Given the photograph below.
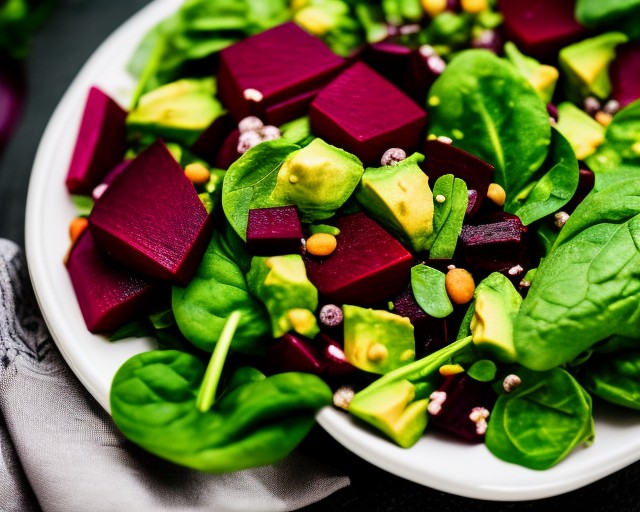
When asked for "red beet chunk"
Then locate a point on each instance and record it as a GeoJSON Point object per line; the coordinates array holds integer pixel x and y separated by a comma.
{"type": "Point", "coordinates": [463, 395]}
{"type": "Point", "coordinates": [100, 144]}
{"type": "Point", "coordinates": [625, 77]}
{"type": "Point", "coordinates": [586, 182]}
{"type": "Point", "coordinates": [442, 158]}
{"type": "Point", "coordinates": [211, 140]}
{"type": "Point", "coordinates": [365, 114]}
{"type": "Point", "coordinates": [274, 231]}
{"type": "Point", "coordinates": [423, 69]}
{"type": "Point", "coordinates": [389, 59]}
{"type": "Point", "coordinates": [368, 265]}
{"type": "Point", "coordinates": [541, 28]}
{"type": "Point", "coordinates": [109, 295]}
{"type": "Point", "coordinates": [279, 64]}
{"type": "Point", "coordinates": [320, 356]}
{"type": "Point", "coordinates": [151, 219]}
{"type": "Point", "coordinates": [497, 242]}
{"type": "Point", "coordinates": [228, 152]}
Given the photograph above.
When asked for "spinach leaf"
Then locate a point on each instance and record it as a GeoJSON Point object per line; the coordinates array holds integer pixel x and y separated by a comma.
{"type": "Point", "coordinates": [588, 287]}
{"type": "Point", "coordinates": [621, 14]}
{"type": "Point", "coordinates": [448, 215]}
{"type": "Point", "coordinates": [474, 103]}
{"type": "Point", "coordinates": [218, 288]}
{"type": "Point", "coordinates": [428, 285]}
{"type": "Point", "coordinates": [540, 421]}
{"type": "Point", "coordinates": [618, 156]}
{"type": "Point", "coordinates": [555, 188]}
{"type": "Point", "coordinates": [153, 402]}
{"type": "Point", "coordinates": [250, 180]}
{"type": "Point", "coordinates": [614, 377]}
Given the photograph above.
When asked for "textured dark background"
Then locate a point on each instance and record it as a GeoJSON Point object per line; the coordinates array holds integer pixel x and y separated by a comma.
{"type": "Point", "coordinates": [74, 31]}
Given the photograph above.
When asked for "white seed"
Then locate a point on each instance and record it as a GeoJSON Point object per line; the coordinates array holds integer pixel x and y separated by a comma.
{"type": "Point", "coordinates": [392, 156]}
{"type": "Point", "coordinates": [247, 140]}
{"type": "Point", "coordinates": [250, 124]}
{"type": "Point", "coordinates": [561, 219]}
{"type": "Point", "coordinates": [98, 191]}
{"type": "Point", "coordinates": [269, 132]}
{"type": "Point", "coordinates": [611, 107]}
{"type": "Point", "coordinates": [517, 269]}
{"type": "Point", "coordinates": [440, 198]}
{"type": "Point", "coordinates": [436, 64]}
{"type": "Point", "coordinates": [511, 382]}
{"type": "Point", "coordinates": [436, 399]}
{"type": "Point", "coordinates": [444, 139]}
{"type": "Point", "coordinates": [343, 396]}
{"type": "Point", "coordinates": [426, 50]}
{"type": "Point", "coordinates": [252, 95]}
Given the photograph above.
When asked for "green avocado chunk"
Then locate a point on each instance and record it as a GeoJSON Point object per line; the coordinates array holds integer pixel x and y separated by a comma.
{"type": "Point", "coordinates": [377, 341]}
{"type": "Point", "coordinates": [318, 179]}
{"type": "Point", "coordinates": [496, 304]}
{"type": "Point", "coordinates": [399, 197]}
{"type": "Point", "coordinates": [179, 111]}
{"type": "Point", "coordinates": [583, 132]}
{"type": "Point", "coordinates": [281, 283]}
{"type": "Point", "coordinates": [586, 65]}
{"type": "Point", "coordinates": [542, 77]}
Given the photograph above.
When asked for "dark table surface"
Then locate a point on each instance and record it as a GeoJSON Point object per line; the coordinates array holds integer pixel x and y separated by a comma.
{"type": "Point", "coordinates": [74, 31]}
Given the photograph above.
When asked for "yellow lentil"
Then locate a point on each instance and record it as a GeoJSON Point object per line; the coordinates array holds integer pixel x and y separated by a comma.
{"type": "Point", "coordinates": [197, 173]}
{"type": "Point", "coordinates": [76, 227]}
{"type": "Point", "coordinates": [321, 244]}
{"type": "Point", "coordinates": [460, 285]}
{"type": "Point", "coordinates": [474, 6]}
{"type": "Point", "coordinates": [497, 194]}
{"type": "Point", "coordinates": [433, 7]}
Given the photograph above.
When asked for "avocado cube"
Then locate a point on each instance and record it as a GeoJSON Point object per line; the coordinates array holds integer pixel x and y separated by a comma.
{"type": "Point", "coordinates": [365, 114]}
{"type": "Point", "coordinates": [275, 74]}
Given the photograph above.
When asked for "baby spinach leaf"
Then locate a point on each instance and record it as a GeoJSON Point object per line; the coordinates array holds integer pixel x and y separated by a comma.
{"type": "Point", "coordinates": [540, 421]}
{"type": "Point", "coordinates": [218, 288]}
{"type": "Point", "coordinates": [153, 402]}
{"type": "Point", "coordinates": [474, 103]}
{"type": "Point", "coordinates": [556, 186]}
{"type": "Point", "coordinates": [428, 285]}
{"type": "Point", "coordinates": [614, 377]}
{"type": "Point", "coordinates": [251, 179]}
{"type": "Point", "coordinates": [618, 156]}
{"type": "Point", "coordinates": [595, 13]}
{"type": "Point", "coordinates": [448, 215]}
{"type": "Point", "coordinates": [588, 287]}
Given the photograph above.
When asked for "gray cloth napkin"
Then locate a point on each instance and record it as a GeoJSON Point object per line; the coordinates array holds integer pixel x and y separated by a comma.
{"type": "Point", "coordinates": [60, 451]}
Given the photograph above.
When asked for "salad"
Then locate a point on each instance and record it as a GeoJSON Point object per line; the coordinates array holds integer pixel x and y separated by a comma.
{"type": "Point", "coordinates": [389, 207]}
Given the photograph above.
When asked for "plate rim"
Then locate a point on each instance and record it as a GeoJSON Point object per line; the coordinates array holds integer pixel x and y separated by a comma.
{"type": "Point", "coordinates": [338, 425]}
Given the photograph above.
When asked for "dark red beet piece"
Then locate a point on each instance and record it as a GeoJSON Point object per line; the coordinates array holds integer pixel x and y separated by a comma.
{"type": "Point", "coordinates": [586, 182]}
{"type": "Point", "coordinates": [625, 79]}
{"type": "Point", "coordinates": [279, 64]}
{"type": "Point", "coordinates": [274, 231]}
{"type": "Point", "coordinates": [463, 394]}
{"type": "Point", "coordinates": [100, 144]}
{"type": "Point", "coordinates": [541, 28]}
{"type": "Point", "coordinates": [211, 140]}
{"type": "Point", "coordinates": [320, 356]}
{"type": "Point", "coordinates": [109, 295]}
{"type": "Point", "coordinates": [497, 242]}
{"type": "Point", "coordinates": [369, 265]}
{"type": "Point", "coordinates": [423, 69]}
{"type": "Point", "coordinates": [388, 58]}
{"type": "Point", "coordinates": [365, 114]}
{"type": "Point", "coordinates": [228, 152]}
{"type": "Point", "coordinates": [442, 158]}
{"type": "Point", "coordinates": [151, 219]}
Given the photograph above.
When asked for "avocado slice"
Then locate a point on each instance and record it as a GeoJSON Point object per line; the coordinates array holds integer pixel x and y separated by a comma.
{"type": "Point", "coordinates": [376, 340]}
{"type": "Point", "coordinates": [399, 197]}
{"type": "Point", "coordinates": [392, 410]}
{"type": "Point", "coordinates": [542, 77]}
{"type": "Point", "coordinates": [586, 65]}
{"type": "Point", "coordinates": [496, 304]}
{"type": "Point", "coordinates": [583, 132]}
{"type": "Point", "coordinates": [179, 111]}
{"type": "Point", "coordinates": [318, 179]}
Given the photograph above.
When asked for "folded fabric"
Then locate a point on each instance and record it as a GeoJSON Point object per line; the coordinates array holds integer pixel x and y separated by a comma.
{"type": "Point", "coordinates": [60, 451]}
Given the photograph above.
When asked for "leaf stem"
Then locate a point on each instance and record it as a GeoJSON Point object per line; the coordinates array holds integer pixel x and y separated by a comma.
{"type": "Point", "coordinates": [209, 386]}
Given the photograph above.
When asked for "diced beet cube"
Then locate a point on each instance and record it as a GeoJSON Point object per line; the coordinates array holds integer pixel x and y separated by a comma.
{"type": "Point", "coordinates": [109, 295]}
{"type": "Point", "coordinates": [423, 69]}
{"type": "Point", "coordinates": [211, 140]}
{"type": "Point", "coordinates": [586, 182]}
{"type": "Point", "coordinates": [442, 158]}
{"type": "Point", "coordinates": [389, 59]}
{"type": "Point", "coordinates": [464, 408]}
{"type": "Point", "coordinates": [320, 356]}
{"type": "Point", "coordinates": [430, 333]}
{"type": "Point", "coordinates": [274, 231]}
{"type": "Point", "coordinates": [497, 242]}
{"type": "Point", "coordinates": [541, 28]}
{"type": "Point", "coordinates": [228, 152]}
{"type": "Point", "coordinates": [261, 74]}
{"type": "Point", "coordinates": [100, 144]}
{"type": "Point", "coordinates": [365, 114]}
{"type": "Point", "coordinates": [369, 265]}
{"type": "Point", "coordinates": [151, 219]}
{"type": "Point", "coordinates": [625, 77]}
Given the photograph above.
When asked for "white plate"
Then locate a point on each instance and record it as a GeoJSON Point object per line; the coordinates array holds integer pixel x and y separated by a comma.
{"type": "Point", "coordinates": [435, 462]}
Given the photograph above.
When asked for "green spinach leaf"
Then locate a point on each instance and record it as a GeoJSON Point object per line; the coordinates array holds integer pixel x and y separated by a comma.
{"type": "Point", "coordinates": [588, 287]}
{"type": "Point", "coordinates": [218, 288]}
{"type": "Point", "coordinates": [448, 215]}
{"type": "Point", "coordinates": [540, 421]}
{"type": "Point", "coordinates": [620, 14]}
{"type": "Point", "coordinates": [250, 180]}
{"type": "Point", "coordinates": [429, 290]}
{"type": "Point", "coordinates": [258, 422]}
{"type": "Point", "coordinates": [489, 109]}
{"type": "Point", "coordinates": [556, 186]}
